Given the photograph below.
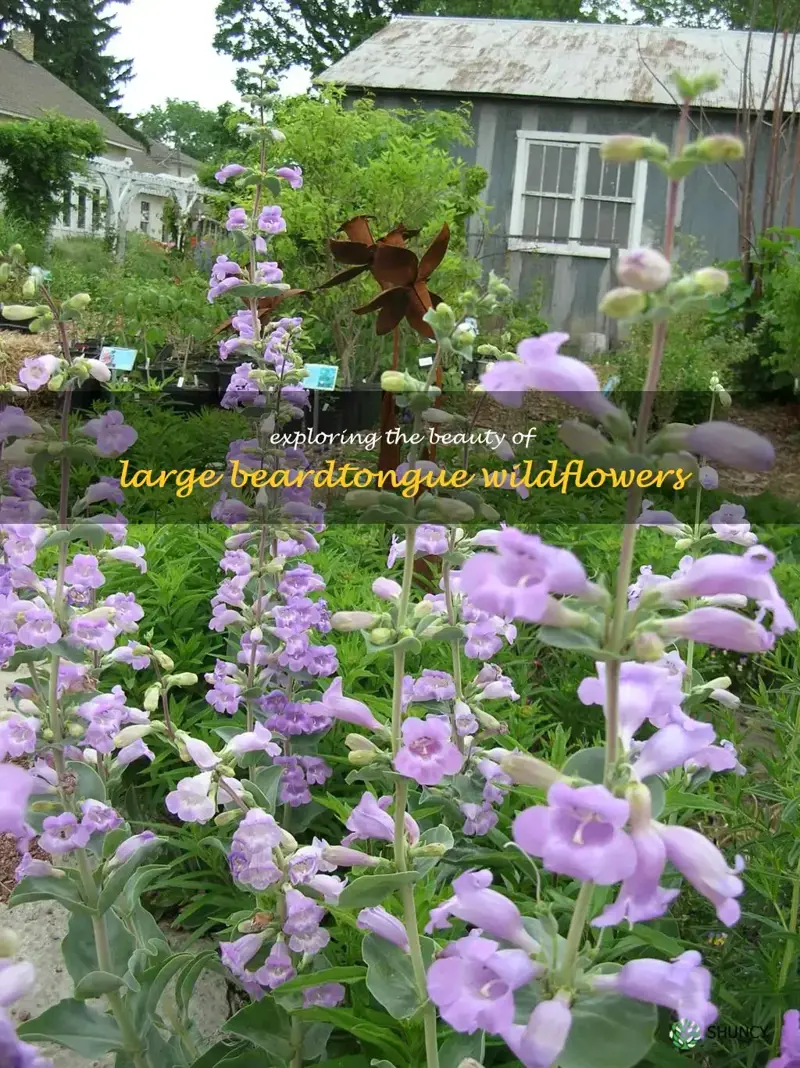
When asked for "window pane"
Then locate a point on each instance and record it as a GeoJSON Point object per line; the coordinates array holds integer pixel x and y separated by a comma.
{"type": "Point", "coordinates": [547, 219]}
{"type": "Point", "coordinates": [82, 209]}
{"type": "Point", "coordinates": [566, 177]}
{"type": "Point", "coordinates": [593, 167]}
{"type": "Point", "coordinates": [66, 210]}
{"type": "Point", "coordinates": [605, 222]}
{"type": "Point", "coordinates": [618, 180]}
{"type": "Point", "coordinates": [533, 183]}
{"type": "Point", "coordinates": [622, 225]}
{"type": "Point", "coordinates": [589, 226]}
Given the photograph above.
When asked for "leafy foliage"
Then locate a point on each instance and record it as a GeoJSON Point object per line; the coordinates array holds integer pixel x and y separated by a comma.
{"type": "Point", "coordinates": [199, 132]}
{"type": "Point", "coordinates": [39, 158]}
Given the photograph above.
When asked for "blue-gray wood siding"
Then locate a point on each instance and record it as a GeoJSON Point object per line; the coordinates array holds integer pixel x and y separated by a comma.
{"type": "Point", "coordinates": [571, 287]}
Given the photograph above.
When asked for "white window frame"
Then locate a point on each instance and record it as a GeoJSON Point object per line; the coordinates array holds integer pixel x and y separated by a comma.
{"type": "Point", "coordinates": [573, 247]}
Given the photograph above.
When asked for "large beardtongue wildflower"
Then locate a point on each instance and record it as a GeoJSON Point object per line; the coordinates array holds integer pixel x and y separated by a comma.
{"type": "Point", "coordinates": [790, 1042]}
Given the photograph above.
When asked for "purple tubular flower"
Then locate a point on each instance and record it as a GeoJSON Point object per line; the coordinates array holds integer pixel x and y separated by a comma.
{"type": "Point", "coordinates": [473, 982]}
{"type": "Point", "coordinates": [427, 754]}
{"type": "Point", "coordinates": [18, 735]}
{"type": "Point", "coordinates": [236, 955]}
{"type": "Point", "coordinates": [251, 858]}
{"type": "Point", "coordinates": [475, 903]}
{"type": "Point", "coordinates": [190, 801]}
{"type": "Point", "coordinates": [271, 220]}
{"type": "Point", "coordinates": [382, 923]}
{"type": "Point", "coordinates": [699, 861]}
{"type": "Point", "coordinates": [672, 746]}
{"type": "Point", "coordinates": [128, 554]}
{"type": "Point", "coordinates": [641, 897]}
{"type": "Point", "coordinates": [201, 754]}
{"type": "Point", "coordinates": [62, 834]}
{"type": "Point", "coordinates": [99, 818]}
{"type": "Point", "coordinates": [131, 846]}
{"type": "Point", "coordinates": [790, 1042]}
{"type": "Point", "coordinates": [327, 996]}
{"type": "Point", "coordinates": [110, 432]}
{"type": "Point", "coordinates": [292, 175]}
{"type": "Point", "coordinates": [83, 570]}
{"type": "Point", "coordinates": [516, 580]}
{"type": "Point", "coordinates": [709, 479]}
{"type": "Point", "coordinates": [16, 980]}
{"type": "Point", "coordinates": [579, 833]}
{"type": "Point", "coordinates": [16, 786]}
{"type": "Point", "coordinates": [478, 819]}
{"type": "Point", "coordinates": [28, 867]}
{"type": "Point", "coordinates": [732, 445]}
{"type": "Point", "coordinates": [278, 967]}
{"type": "Point", "coordinates": [720, 627]}
{"type": "Point", "coordinates": [540, 1042]}
{"type": "Point", "coordinates": [346, 709]}
{"type": "Point", "coordinates": [259, 740]}
{"type": "Point", "coordinates": [302, 923]}
{"type": "Point", "coordinates": [369, 819]}
{"type": "Point", "coordinates": [237, 219]}
{"type": "Point", "coordinates": [230, 170]}
{"type": "Point", "coordinates": [36, 371]}
{"type": "Point", "coordinates": [135, 751]}
{"type": "Point", "coordinates": [682, 985]}
{"type": "Point", "coordinates": [542, 366]}
{"type": "Point", "coordinates": [646, 692]}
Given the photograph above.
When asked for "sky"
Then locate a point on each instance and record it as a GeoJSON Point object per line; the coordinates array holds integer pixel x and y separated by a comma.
{"type": "Point", "coordinates": [171, 45]}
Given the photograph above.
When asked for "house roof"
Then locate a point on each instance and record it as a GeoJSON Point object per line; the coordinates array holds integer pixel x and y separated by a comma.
{"type": "Point", "coordinates": [567, 61]}
{"type": "Point", "coordinates": [161, 155]}
{"type": "Point", "coordinates": [28, 90]}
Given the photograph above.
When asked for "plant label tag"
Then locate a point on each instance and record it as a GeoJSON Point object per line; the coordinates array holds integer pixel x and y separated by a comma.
{"type": "Point", "coordinates": [425, 361]}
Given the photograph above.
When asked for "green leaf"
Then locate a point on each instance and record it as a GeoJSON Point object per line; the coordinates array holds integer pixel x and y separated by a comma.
{"type": "Point", "coordinates": [651, 936]}
{"type": "Point", "coordinates": [73, 653]}
{"type": "Point", "coordinates": [266, 1025]}
{"type": "Point", "coordinates": [658, 794]}
{"type": "Point", "coordinates": [50, 888]}
{"type": "Point", "coordinates": [370, 890]}
{"type": "Point", "coordinates": [217, 1054]}
{"type": "Point", "coordinates": [258, 291]}
{"type": "Point", "coordinates": [315, 1041]}
{"type": "Point", "coordinates": [78, 948]}
{"type": "Point", "coordinates": [185, 982]}
{"type": "Point", "coordinates": [153, 983]}
{"type": "Point", "coordinates": [364, 1029]}
{"type": "Point", "coordinates": [267, 780]}
{"type": "Point", "coordinates": [439, 835]}
{"type": "Point", "coordinates": [347, 974]}
{"type": "Point", "coordinates": [26, 656]}
{"type": "Point", "coordinates": [457, 1048]}
{"type": "Point", "coordinates": [586, 764]}
{"type": "Point", "coordinates": [90, 785]}
{"type": "Point", "coordinates": [609, 1031]}
{"type": "Point", "coordinates": [117, 880]}
{"type": "Point", "coordinates": [564, 638]}
{"type": "Point", "coordinates": [74, 1025]}
{"type": "Point", "coordinates": [390, 976]}
{"type": "Point", "coordinates": [95, 984]}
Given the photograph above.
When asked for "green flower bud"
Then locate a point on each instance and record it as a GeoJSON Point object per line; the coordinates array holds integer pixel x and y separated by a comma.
{"type": "Point", "coordinates": [131, 734]}
{"type": "Point", "coordinates": [76, 730]}
{"type": "Point", "coordinates": [347, 622]}
{"type": "Point", "coordinates": [29, 288]}
{"type": "Point", "coordinates": [5, 272]}
{"type": "Point", "coordinates": [526, 770]}
{"type": "Point", "coordinates": [152, 695]}
{"type": "Point", "coordinates": [623, 303]}
{"type": "Point", "coordinates": [225, 819]}
{"type": "Point", "coordinates": [166, 663]}
{"type": "Point", "coordinates": [78, 302]}
{"type": "Point", "coordinates": [9, 942]}
{"type": "Point", "coordinates": [711, 280]}
{"type": "Point", "coordinates": [582, 439]}
{"type": "Point", "coordinates": [648, 647]}
{"type": "Point", "coordinates": [641, 806]}
{"type": "Point", "coordinates": [627, 148]}
{"type": "Point", "coordinates": [358, 743]}
{"type": "Point", "coordinates": [381, 636]}
{"type": "Point", "coordinates": [719, 148]}
{"type": "Point", "coordinates": [689, 88]}
{"type": "Point", "coordinates": [452, 510]}
{"type": "Point", "coordinates": [361, 758]}
{"type": "Point", "coordinates": [724, 398]}
{"type": "Point", "coordinates": [183, 678]}
{"type": "Point", "coordinates": [18, 313]}
{"type": "Point", "coordinates": [442, 320]}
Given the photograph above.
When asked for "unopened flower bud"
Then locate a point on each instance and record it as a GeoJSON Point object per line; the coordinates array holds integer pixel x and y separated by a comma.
{"type": "Point", "coordinates": [361, 758]}
{"type": "Point", "coordinates": [358, 743]}
{"type": "Point", "coordinates": [166, 663]}
{"type": "Point", "coordinates": [152, 696]}
{"type": "Point", "coordinates": [28, 707]}
{"type": "Point", "coordinates": [183, 678]}
{"type": "Point", "coordinates": [256, 635]}
{"type": "Point", "coordinates": [9, 942]}
{"type": "Point", "coordinates": [641, 806]}
{"type": "Point", "coordinates": [711, 280]}
{"type": "Point", "coordinates": [76, 730]}
{"type": "Point", "coordinates": [130, 734]}
{"type": "Point", "coordinates": [719, 148]}
{"type": "Point", "coordinates": [347, 622]}
{"type": "Point", "coordinates": [684, 543]}
{"type": "Point", "coordinates": [526, 770]}
{"type": "Point", "coordinates": [256, 924]}
{"type": "Point", "coordinates": [582, 439]}
{"type": "Point", "coordinates": [689, 88]}
{"type": "Point", "coordinates": [724, 398]}
{"type": "Point", "coordinates": [648, 647]}
{"type": "Point", "coordinates": [430, 849]}
{"type": "Point", "coordinates": [644, 268]}
{"type": "Point", "coordinates": [722, 682]}
{"type": "Point", "coordinates": [470, 1062]}
{"type": "Point", "coordinates": [442, 319]}
{"type": "Point", "coordinates": [627, 148]}
{"type": "Point", "coordinates": [29, 288]}
{"type": "Point", "coordinates": [380, 636]}
{"type": "Point", "coordinates": [623, 302]}
{"type": "Point", "coordinates": [726, 698]}
{"type": "Point", "coordinates": [225, 819]}
{"type": "Point", "coordinates": [79, 302]}
{"type": "Point", "coordinates": [400, 382]}
{"type": "Point", "coordinates": [288, 842]}
{"type": "Point", "coordinates": [490, 723]}
{"type": "Point", "coordinates": [18, 313]}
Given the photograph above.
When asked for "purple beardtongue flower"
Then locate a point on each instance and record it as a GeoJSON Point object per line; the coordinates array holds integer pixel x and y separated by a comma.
{"type": "Point", "coordinates": [472, 983]}
{"type": "Point", "coordinates": [476, 903]}
{"type": "Point", "coordinates": [62, 834]}
{"type": "Point", "coordinates": [345, 709]}
{"type": "Point", "coordinates": [382, 923]}
{"type": "Point", "coordinates": [16, 786]}
{"type": "Point", "coordinates": [704, 866]}
{"type": "Point", "coordinates": [720, 627]}
{"type": "Point", "coordinates": [682, 985]}
{"type": "Point", "coordinates": [732, 445]}
{"type": "Point", "coordinates": [539, 1043]}
{"type": "Point", "coordinates": [641, 897]}
{"type": "Point", "coordinates": [370, 819]}
{"type": "Point", "coordinates": [790, 1042]}
{"type": "Point", "coordinates": [327, 996]}
{"type": "Point", "coordinates": [579, 833]}
{"type": "Point", "coordinates": [672, 746]}
{"type": "Point", "coordinates": [278, 967]}
{"type": "Point", "coordinates": [427, 754]}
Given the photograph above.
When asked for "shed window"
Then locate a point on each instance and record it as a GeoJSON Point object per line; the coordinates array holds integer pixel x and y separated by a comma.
{"type": "Point", "coordinates": [144, 219]}
{"type": "Point", "coordinates": [82, 209]}
{"type": "Point", "coordinates": [568, 200]}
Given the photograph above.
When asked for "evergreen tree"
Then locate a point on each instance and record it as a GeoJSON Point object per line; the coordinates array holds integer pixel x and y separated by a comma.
{"type": "Point", "coordinates": [70, 38]}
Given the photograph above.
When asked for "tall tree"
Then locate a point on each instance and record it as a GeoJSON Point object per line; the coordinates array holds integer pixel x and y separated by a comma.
{"type": "Point", "coordinates": [70, 39]}
{"type": "Point", "coordinates": [184, 125]}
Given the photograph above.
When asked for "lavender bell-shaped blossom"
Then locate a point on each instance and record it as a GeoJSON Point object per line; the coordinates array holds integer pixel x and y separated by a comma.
{"type": "Point", "coordinates": [475, 903]}
{"type": "Point", "coordinates": [790, 1042]}
{"type": "Point", "coordinates": [699, 861]}
{"type": "Point", "coordinates": [539, 1043]}
{"type": "Point", "coordinates": [472, 983]}
{"type": "Point", "coordinates": [326, 996]}
{"type": "Point", "coordinates": [302, 923]}
{"type": "Point", "coordinates": [346, 709]}
{"type": "Point", "coordinates": [427, 754]}
{"type": "Point", "coordinates": [191, 801]}
{"type": "Point", "coordinates": [259, 740]}
{"type": "Point", "coordinates": [641, 897]}
{"type": "Point", "coordinates": [16, 786]}
{"type": "Point", "coordinates": [230, 170]}
{"type": "Point", "coordinates": [382, 923]}
{"type": "Point", "coordinates": [137, 750]}
{"type": "Point", "coordinates": [682, 985]}
{"type": "Point", "coordinates": [517, 579]}
{"type": "Point", "coordinates": [236, 956]}
{"type": "Point", "coordinates": [251, 858]}
{"type": "Point", "coordinates": [579, 833]}
{"type": "Point", "coordinates": [99, 818]}
{"type": "Point", "coordinates": [131, 846]}
{"type": "Point", "coordinates": [201, 754]}
{"type": "Point", "coordinates": [646, 692]}
{"type": "Point", "coordinates": [369, 819]}
{"type": "Point", "coordinates": [730, 444]}
{"type": "Point", "coordinates": [672, 746]}
{"type": "Point", "coordinates": [541, 366]}
{"type": "Point", "coordinates": [277, 968]}
{"type": "Point", "coordinates": [62, 834]}
{"type": "Point", "coordinates": [720, 627]}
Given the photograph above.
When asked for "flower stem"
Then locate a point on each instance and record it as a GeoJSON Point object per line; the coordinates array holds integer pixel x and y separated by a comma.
{"type": "Point", "coordinates": [130, 1036]}
{"type": "Point", "coordinates": [400, 800]}
{"type": "Point", "coordinates": [575, 933]}
{"type": "Point", "coordinates": [297, 1043]}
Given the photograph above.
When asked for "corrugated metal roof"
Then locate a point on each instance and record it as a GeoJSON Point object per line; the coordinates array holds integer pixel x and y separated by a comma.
{"type": "Point", "coordinates": [28, 90]}
{"type": "Point", "coordinates": [567, 61]}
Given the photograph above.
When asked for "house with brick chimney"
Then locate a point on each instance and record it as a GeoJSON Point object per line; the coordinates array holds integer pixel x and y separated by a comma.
{"type": "Point", "coordinates": [128, 186]}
